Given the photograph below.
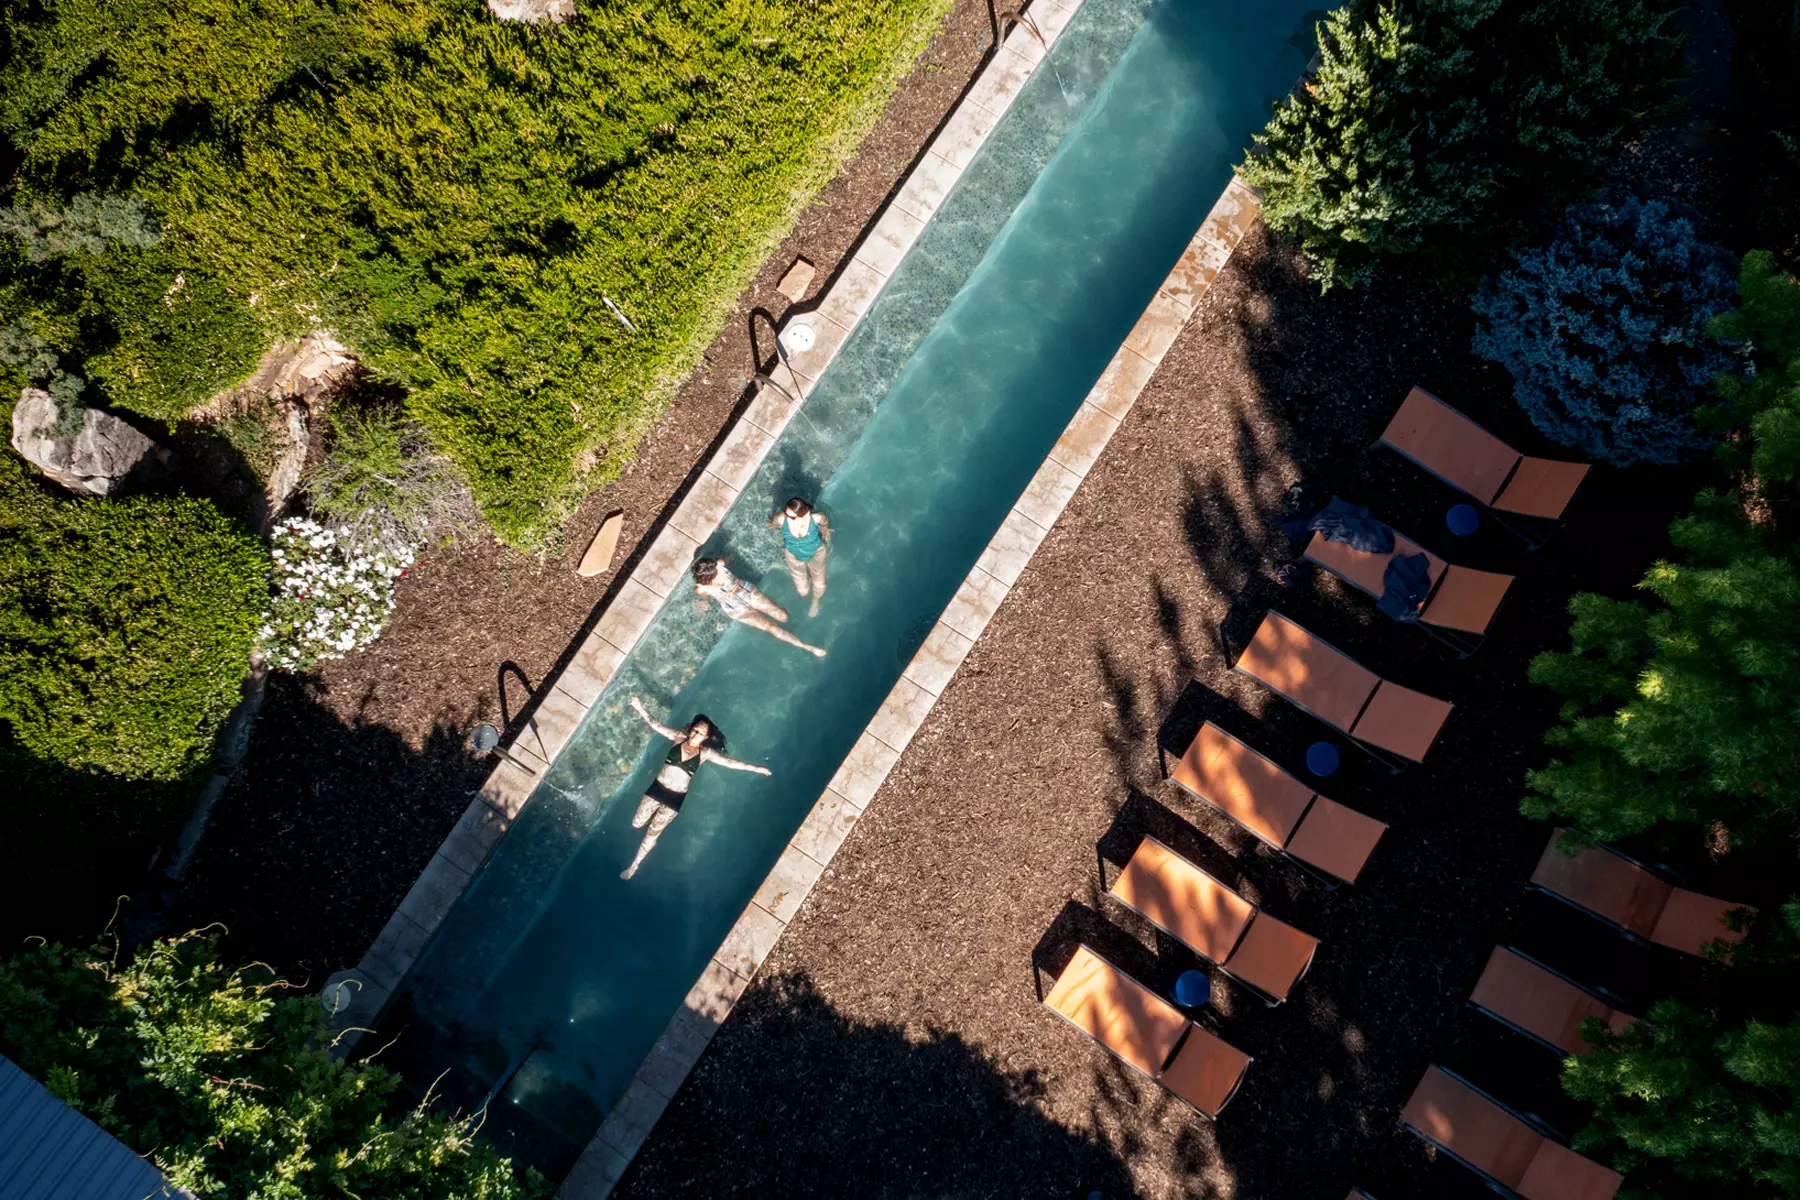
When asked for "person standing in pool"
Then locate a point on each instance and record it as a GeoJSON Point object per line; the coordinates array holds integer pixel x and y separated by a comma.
{"type": "Point", "coordinates": [696, 744]}
{"type": "Point", "coordinates": [805, 541]}
{"type": "Point", "coordinates": [741, 602]}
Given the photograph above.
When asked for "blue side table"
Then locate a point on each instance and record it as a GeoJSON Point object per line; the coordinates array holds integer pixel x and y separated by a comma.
{"type": "Point", "coordinates": [1462, 519]}
{"type": "Point", "coordinates": [1192, 989]}
{"type": "Point", "coordinates": [1321, 758]}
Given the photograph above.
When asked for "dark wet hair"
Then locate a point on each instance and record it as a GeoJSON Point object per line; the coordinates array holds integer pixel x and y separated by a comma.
{"type": "Point", "coordinates": [714, 739]}
{"type": "Point", "coordinates": [705, 570]}
{"type": "Point", "coordinates": [796, 507]}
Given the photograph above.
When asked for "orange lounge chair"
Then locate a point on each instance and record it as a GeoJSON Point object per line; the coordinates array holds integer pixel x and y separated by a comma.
{"type": "Point", "coordinates": [1318, 677]}
{"type": "Point", "coordinates": [1601, 881]}
{"type": "Point", "coordinates": [1540, 1003]}
{"type": "Point", "coordinates": [1469, 458]}
{"type": "Point", "coordinates": [1276, 807]}
{"type": "Point", "coordinates": [1496, 1142]}
{"type": "Point", "coordinates": [1146, 1031]}
{"type": "Point", "coordinates": [1460, 607]}
{"type": "Point", "coordinates": [1213, 921]}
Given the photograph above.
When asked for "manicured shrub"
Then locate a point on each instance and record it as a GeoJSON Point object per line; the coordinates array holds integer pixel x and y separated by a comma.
{"type": "Point", "coordinates": [221, 1076]}
{"type": "Point", "coordinates": [1433, 125]}
{"type": "Point", "coordinates": [333, 594]}
{"type": "Point", "coordinates": [1605, 331]}
{"type": "Point", "coordinates": [125, 625]}
{"type": "Point", "coordinates": [457, 197]}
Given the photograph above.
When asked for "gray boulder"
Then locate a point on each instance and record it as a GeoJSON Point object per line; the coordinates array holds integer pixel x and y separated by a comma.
{"type": "Point", "coordinates": [98, 461]}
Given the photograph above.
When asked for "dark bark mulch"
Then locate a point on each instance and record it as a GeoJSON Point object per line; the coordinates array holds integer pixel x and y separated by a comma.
{"type": "Point", "coordinates": [894, 1043]}
{"type": "Point", "coordinates": [358, 771]}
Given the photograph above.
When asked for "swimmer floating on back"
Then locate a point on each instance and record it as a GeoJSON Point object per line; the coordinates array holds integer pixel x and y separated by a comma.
{"type": "Point", "coordinates": [662, 803]}
{"type": "Point", "coordinates": [805, 542]}
{"type": "Point", "coordinates": [741, 602]}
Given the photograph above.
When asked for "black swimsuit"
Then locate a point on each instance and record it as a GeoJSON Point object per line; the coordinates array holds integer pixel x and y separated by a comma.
{"type": "Point", "coordinates": [661, 792]}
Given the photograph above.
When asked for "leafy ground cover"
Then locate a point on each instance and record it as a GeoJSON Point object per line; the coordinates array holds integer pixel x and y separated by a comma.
{"type": "Point", "coordinates": [222, 1076]}
{"type": "Point", "coordinates": [458, 198]}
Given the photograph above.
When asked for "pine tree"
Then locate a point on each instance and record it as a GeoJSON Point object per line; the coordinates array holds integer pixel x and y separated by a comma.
{"type": "Point", "coordinates": [1766, 395]}
{"type": "Point", "coordinates": [1676, 1092]}
{"type": "Point", "coordinates": [1687, 712]}
{"type": "Point", "coordinates": [1433, 123]}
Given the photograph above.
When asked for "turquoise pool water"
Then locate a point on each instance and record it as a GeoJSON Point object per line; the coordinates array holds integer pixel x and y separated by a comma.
{"type": "Point", "coordinates": [555, 976]}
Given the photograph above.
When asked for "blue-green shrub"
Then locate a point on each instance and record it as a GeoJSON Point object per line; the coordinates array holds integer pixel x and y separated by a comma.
{"type": "Point", "coordinates": [1604, 330]}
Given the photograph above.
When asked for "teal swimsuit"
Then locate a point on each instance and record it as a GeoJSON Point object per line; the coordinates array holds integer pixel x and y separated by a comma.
{"type": "Point", "coordinates": [802, 548]}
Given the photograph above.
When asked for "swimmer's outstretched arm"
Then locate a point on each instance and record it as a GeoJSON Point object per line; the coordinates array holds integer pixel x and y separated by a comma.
{"type": "Point", "coordinates": [674, 735]}
{"type": "Point", "coordinates": [714, 757]}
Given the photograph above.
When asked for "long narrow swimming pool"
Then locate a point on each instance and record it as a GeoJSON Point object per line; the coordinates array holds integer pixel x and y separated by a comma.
{"type": "Point", "coordinates": [552, 976]}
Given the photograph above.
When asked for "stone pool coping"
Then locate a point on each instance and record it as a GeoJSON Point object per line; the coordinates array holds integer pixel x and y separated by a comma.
{"type": "Point", "coordinates": [355, 999]}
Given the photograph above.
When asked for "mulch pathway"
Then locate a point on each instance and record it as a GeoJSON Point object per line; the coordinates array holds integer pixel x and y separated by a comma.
{"type": "Point", "coordinates": [893, 1044]}
{"type": "Point", "coordinates": [358, 770]}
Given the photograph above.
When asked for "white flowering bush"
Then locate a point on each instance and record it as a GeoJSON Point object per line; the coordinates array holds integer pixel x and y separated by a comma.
{"type": "Point", "coordinates": [333, 594]}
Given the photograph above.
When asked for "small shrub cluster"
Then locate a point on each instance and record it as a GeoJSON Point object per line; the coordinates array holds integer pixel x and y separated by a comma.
{"type": "Point", "coordinates": [381, 483]}
{"type": "Point", "coordinates": [1434, 126]}
{"type": "Point", "coordinates": [85, 227]}
{"type": "Point", "coordinates": [125, 625]}
{"type": "Point", "coordinates": [1605, 331]}
{"type": "Point", "coordinates": [22, 349]}
{"type": "Point", "coordinates": [222, 1078]}
{"type": "Point", "coordinates": [333, 594]}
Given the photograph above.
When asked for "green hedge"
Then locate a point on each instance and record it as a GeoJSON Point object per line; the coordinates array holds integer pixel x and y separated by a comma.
{"type": "Point", "coordinates": [125, 625]}
{"type": "Point", "coordinates": [455, 195]}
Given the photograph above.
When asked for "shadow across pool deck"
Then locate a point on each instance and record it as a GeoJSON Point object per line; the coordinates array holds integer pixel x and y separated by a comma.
{"type": "Point", "coordinates": [552, 978]}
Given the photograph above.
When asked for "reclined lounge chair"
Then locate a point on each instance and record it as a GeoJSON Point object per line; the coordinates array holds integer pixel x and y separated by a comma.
{"type": "Point", "coordinates": [1461, 606]}
{"type": "Point", "coordinates": [1469, 458]}
{"type": "Point", "coordinates": [1177, 897]}
{"type": "Point", "coordinates": [1542, 1004]}
{"type": "Point", "coordinates": [1489, 1138]}
{"type": "Point", "coordinates": [1316, 676]}
{"type": "Point", "coordinates": [1149, 1033]}
{"type": "Point", "coordinates": [1278, 808]}
{"type": "Point", "coordinates": [1624, 894]}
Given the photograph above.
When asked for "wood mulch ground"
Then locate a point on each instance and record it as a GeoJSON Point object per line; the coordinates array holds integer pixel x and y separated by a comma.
{"type": "Point", "coordinates": [893, 1044]}
{"type": "Point", "coordinates": [358, 770]}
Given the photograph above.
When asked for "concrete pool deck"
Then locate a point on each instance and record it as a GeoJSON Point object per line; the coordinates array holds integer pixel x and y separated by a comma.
{"type": "Point", "coordinates": [564, 701]}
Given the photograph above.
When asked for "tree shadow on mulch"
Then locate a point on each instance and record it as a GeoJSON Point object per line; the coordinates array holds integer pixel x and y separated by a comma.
{"type": "Point", "coordinates": [323, 830]}
{"type": "Point", "coordinates": [77, 845]}
{"type": "Point", "coordinates": [887, 1111]}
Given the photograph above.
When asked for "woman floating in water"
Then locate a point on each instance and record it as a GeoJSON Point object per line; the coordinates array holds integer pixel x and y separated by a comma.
{"type": "Point", "coordinates": [660, 805]}
{"type": "Point", "coordinates": [741, 602]}
{"type": "Point", "coordinates": [805, 539]}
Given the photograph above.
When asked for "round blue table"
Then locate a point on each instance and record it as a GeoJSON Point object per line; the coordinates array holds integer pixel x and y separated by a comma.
{"type": "Point", "coordinates": [1462, 519]}
{"type": "Point", "coordinates": [1192, 989]}
{"type": "Point", "coordinates": [1321, 758]}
